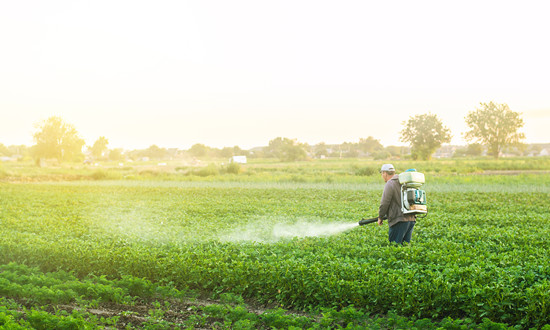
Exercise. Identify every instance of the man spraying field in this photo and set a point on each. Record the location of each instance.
(401, 225)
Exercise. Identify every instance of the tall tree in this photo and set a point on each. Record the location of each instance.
(349, 149)
(474, 149)
(495, 126)
(370, 145)
(57, 139)
(425, 133)
(116, 154)
(231, 151)
(4, 151)
(99, 147)
(320, 149)
(226, 152)
(155, 152)
(286, 149)
(198, 150)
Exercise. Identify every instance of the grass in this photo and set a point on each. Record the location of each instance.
(262, 170)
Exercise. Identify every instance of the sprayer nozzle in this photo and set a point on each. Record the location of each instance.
(367, 221)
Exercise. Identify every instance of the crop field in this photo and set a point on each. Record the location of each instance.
(273, 246)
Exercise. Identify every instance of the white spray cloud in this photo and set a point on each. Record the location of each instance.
(272, 230)
(140, 224)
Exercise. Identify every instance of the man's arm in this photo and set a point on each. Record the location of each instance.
(384, 203)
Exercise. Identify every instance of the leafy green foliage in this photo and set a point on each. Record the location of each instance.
(209, 170)
(370, 145)
(286, 149)
(198, 150)
(60, 287)
(99, 147)
(233, 168)
(481, 256)
(494, 125)
(425, 133)
(231, 312)
(57, 139)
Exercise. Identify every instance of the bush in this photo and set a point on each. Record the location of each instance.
(149, 173)
(3, 173)
(105, 175)
(207, 171)
(233, 168)
(99, 175)
(366, 171)
(382, 155)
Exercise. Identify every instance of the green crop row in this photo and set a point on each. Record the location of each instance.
(40, 290)
(480, 253)
(223, 316)
(36, 319)
(60, 287)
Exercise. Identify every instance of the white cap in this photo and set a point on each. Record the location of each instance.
(387, 168)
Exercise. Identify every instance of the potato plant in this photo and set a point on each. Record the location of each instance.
(481, 255)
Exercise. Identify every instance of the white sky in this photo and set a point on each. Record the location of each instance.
(225, 73)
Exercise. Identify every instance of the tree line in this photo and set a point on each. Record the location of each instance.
(491, 125)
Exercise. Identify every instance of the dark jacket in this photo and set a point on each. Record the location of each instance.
(390, 205)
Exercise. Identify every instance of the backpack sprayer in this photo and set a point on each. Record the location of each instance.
(413, 200)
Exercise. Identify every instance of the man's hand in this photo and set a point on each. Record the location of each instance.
(380, 222)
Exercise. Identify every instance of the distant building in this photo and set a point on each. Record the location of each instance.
(238, 159)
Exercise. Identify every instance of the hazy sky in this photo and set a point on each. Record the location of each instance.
(225, 73)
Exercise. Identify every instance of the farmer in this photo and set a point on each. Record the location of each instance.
(401, 225)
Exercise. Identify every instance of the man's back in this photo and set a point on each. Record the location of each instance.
(390, 205)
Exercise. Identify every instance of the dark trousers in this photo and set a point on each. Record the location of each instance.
(401, 232)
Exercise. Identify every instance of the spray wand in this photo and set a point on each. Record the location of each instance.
(367, 221)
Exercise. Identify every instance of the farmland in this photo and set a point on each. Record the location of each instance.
(180, 247)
